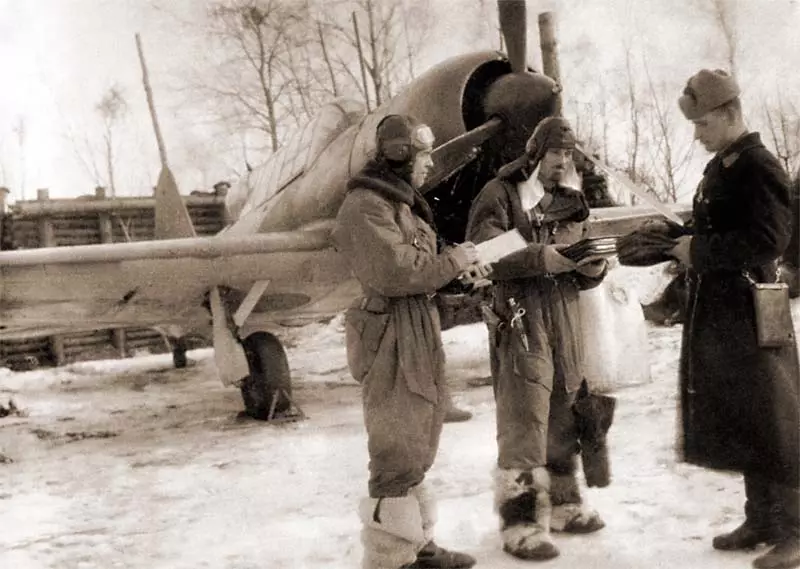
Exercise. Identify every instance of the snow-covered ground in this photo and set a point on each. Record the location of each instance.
(133, 464)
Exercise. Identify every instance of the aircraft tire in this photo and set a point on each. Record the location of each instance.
(269, 374)
(179, 359)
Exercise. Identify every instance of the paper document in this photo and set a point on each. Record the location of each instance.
(498, 247)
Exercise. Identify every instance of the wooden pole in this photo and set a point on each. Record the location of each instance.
(107, 236)
(162, 150)
(47, 239)
(361, 61)
(549, 47)
(4, 230)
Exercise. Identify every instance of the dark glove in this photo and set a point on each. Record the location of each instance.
(650, 244)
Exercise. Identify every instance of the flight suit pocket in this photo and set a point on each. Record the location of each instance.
(535, 384)
(534, 368)
(364, 332)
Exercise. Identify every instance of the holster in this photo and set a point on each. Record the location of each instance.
(494, 324)
(594, 414)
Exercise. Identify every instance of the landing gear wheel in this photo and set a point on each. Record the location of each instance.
(266, 391)
(179, 346)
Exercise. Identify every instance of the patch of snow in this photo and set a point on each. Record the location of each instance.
(186, 484)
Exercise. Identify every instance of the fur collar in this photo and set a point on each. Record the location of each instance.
(383, 180)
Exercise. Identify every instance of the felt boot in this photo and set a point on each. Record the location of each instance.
(523, 502)
(391, 533)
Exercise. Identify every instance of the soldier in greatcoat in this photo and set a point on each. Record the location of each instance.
(739, 401)
(394, 348)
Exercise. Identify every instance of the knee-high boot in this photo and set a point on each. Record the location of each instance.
(761, 523)
(523, 502)
(786, 553)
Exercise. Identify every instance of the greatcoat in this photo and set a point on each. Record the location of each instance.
(739, 402)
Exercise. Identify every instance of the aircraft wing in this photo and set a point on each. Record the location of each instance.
(151, 283)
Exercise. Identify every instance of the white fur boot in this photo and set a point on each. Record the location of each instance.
(523, 502)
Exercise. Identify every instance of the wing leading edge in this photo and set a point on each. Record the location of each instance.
(160, 282)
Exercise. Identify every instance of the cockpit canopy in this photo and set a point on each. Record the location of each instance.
(294, 158)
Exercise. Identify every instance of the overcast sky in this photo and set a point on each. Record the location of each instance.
(58, 58)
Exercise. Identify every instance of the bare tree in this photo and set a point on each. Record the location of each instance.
(783, 123)
(271, 64)
(84, 151)
(670, 159)
(21, 130)
(254, 85)
(391, 45)
(323, 44)
(634, 109)
(723, 12)
(4, 174)
(112, 108)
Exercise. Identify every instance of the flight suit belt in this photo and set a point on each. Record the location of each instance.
(382, 304)
(376, 304)
(526, 283)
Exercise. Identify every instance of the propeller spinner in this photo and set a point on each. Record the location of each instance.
(513, 104)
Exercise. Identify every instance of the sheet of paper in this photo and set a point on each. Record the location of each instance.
(498, 247)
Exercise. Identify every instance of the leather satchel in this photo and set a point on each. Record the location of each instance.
(774, 326)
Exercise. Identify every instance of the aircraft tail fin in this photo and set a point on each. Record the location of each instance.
(172, 216)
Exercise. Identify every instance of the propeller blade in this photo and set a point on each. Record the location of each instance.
(456, 153)
(513, 25)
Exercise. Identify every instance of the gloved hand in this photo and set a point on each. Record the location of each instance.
(593, 268)
(554, 262)
(465, 254)
(682, 251)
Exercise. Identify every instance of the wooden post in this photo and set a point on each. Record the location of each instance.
(118, 338)
(47, 239)
(549, 47)
(46, 235)
(4, 192)
(104, 218)
(4, 237)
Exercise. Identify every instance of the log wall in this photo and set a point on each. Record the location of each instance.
(83, 221)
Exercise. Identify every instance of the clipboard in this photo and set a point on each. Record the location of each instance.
(498, 247)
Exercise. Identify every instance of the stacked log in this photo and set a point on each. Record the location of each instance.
(83, 221)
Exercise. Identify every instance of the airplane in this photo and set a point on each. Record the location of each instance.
(274, 262)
